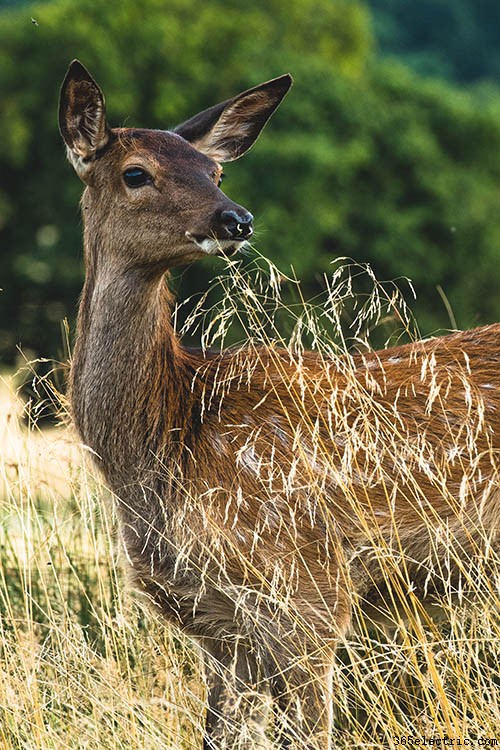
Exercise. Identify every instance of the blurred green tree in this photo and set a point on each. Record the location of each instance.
(158, 64)
(455, 39)
(364, 159)
(389, 169)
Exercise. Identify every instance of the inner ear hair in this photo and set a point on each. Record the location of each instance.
(82, 114)
(227, 130)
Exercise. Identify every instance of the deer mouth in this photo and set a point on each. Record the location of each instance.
(214, 245)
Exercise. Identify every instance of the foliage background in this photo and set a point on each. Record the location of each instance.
(386, 150)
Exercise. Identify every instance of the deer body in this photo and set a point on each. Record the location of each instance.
(244, 530)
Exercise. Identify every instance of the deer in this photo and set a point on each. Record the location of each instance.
(254, 488)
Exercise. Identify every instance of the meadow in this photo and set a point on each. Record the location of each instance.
(84, 663)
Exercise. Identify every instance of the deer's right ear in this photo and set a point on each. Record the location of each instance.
(82, 118)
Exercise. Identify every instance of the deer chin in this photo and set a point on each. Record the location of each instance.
(215, 246)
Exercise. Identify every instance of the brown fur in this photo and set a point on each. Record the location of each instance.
(246, 473)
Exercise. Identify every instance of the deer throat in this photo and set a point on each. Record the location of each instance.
(127, 371)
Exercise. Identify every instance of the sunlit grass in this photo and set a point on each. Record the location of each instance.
(82, 664)
(85, 664)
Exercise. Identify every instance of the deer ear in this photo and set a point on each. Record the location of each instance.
(226, 131)
(82, 118)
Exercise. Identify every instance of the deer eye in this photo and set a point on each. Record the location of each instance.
(135, 177)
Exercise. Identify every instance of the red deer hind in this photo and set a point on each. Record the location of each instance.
(255, 488)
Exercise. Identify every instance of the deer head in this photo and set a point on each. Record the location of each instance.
(154, 195)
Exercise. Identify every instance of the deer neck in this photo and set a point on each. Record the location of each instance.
(130, 383)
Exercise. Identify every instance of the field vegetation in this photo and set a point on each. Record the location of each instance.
(86, 664)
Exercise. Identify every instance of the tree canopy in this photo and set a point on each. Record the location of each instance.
(454, 39)
(365, 159)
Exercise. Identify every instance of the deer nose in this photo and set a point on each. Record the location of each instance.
(237, 223)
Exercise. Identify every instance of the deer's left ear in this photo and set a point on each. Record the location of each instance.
(82, 117)
(227, 130)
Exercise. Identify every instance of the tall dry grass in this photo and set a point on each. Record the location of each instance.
(84, 664)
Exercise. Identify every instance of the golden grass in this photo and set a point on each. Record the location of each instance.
(84, 664)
